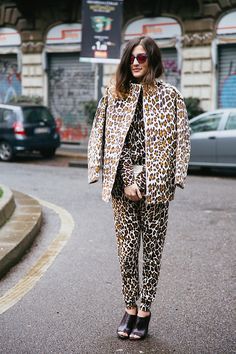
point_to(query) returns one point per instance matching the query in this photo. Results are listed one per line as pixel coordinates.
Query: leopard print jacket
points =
(167, 139)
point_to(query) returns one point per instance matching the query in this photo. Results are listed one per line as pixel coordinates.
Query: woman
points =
(140, 139)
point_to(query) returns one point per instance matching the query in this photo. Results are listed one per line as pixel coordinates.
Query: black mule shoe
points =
(140, 328)
(126, 325)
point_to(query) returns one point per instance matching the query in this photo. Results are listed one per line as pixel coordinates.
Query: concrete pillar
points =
(32, 75)
(109, 72)
(197, 74)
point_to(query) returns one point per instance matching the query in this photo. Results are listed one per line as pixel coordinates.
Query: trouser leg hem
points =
(145, 306)
(130, 305)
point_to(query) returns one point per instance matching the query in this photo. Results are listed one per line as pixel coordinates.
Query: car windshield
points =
(207, 123)
(34, 115)
(231, 122)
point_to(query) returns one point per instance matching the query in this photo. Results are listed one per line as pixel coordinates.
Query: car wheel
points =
(48, 152)
(6, 151)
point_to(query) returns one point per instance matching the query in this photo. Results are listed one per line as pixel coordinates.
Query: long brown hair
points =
(155, 67)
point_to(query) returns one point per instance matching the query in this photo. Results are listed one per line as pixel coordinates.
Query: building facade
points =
(40, 47)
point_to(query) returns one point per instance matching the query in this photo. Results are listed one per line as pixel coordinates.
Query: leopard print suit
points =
(137, 221)
(148, 128)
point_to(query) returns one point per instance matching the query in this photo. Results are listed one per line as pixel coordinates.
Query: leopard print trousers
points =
(135, 221)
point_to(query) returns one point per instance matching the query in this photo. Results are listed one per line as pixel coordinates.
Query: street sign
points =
(101, 31)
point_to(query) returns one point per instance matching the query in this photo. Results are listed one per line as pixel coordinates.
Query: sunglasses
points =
(141, 58)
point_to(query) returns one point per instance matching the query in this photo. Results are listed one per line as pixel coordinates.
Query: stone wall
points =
(32, 75)
(197, 74)
(109, 71)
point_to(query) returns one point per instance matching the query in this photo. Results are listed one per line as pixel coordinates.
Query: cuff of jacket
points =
(93, 175)
(180, 185)
(179, 182)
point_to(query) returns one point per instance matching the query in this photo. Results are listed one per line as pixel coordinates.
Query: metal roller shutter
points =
(227, 76)
(170, 62)
(71, 85)
(10, 79)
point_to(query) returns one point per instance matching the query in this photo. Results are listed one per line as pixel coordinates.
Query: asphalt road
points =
(76, 306)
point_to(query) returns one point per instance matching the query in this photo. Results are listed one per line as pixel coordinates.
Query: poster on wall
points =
(101, 31)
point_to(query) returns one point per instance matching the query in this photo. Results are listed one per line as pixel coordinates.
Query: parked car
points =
(27, 127)
(213, 139)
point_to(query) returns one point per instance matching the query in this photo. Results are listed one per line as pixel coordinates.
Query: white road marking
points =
(25, 284)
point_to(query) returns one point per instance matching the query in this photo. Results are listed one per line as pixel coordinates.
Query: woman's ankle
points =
(132, 310)
(142, 313)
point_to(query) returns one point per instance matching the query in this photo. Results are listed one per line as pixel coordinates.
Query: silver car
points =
(213, 139)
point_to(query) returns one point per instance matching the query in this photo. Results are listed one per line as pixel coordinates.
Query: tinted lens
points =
(141, 58)
(132, 57)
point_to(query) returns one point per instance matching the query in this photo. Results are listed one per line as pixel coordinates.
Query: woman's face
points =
(139, 62)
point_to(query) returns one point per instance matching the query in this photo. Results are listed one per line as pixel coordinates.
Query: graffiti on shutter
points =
(10, 79)
(227, 76)
(71, 85)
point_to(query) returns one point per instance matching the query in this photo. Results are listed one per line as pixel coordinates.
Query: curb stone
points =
(78, 163)
(19, 232)
(7, 204)
(79, 158)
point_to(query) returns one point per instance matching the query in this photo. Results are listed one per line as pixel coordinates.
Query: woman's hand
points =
(133, 193)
